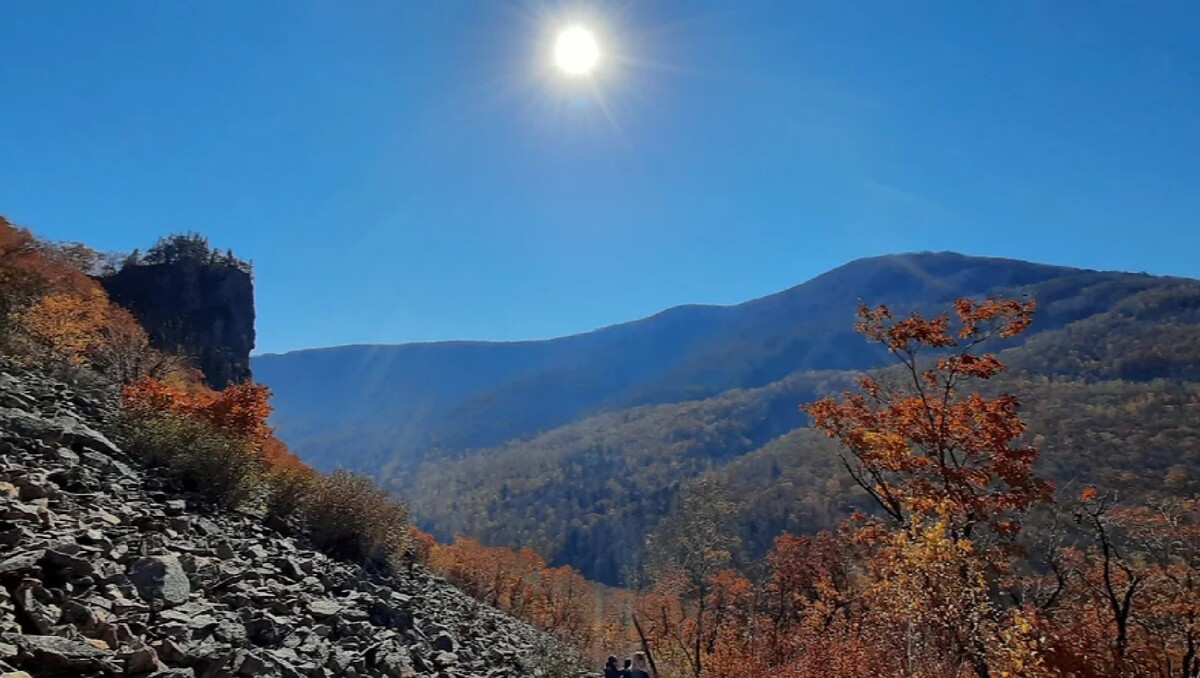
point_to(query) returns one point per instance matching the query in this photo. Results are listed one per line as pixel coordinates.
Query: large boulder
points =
(160, 578)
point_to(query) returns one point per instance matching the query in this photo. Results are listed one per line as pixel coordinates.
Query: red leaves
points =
(1001, 317)
(977, 321)
(928, 446)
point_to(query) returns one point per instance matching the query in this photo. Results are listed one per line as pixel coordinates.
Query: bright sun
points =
(576, 51)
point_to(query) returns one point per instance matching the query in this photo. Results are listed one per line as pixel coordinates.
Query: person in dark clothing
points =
(639, 666)
(610, 668)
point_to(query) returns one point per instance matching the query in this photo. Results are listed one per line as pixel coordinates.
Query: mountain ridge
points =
(525, 444)
(465, 394)
(686, 306)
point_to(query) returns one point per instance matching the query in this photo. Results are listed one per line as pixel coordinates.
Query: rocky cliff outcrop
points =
(202, 311)
(107, 570)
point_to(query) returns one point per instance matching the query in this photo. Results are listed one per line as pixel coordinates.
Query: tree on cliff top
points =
(193, 247)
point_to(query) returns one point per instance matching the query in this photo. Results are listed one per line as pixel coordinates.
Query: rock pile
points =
(105, 570)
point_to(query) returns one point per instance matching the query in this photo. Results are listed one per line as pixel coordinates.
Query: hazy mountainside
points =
(578, 445)
(384, 408)
(1098, 399)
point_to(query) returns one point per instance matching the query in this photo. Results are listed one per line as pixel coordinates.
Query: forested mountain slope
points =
(578, 445)
(1112, 400)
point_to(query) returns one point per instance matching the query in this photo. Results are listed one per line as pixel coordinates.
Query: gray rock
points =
(225, 595)
(63, 563)
(59, 430)
(160, 578)
(55, 654)
(22, 564)
(139, 659)
(324, 608)
(445, 660)
(251, 665)
(35, 605)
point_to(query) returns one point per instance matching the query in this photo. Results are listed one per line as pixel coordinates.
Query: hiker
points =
(610, 668)
(626, 672)
(639, 668)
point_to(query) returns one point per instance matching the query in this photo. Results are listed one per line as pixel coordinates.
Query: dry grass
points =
(347, 516)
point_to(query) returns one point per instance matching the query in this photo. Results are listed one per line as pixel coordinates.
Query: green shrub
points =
(347, 516)
(223, 467)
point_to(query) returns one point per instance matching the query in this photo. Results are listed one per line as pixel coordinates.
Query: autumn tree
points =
(1134, 604)
(927, 444)
(66, 326)
(76, 255)
(690, 547)
(122, 351)
(20, 278)
(951, 476)
(27, 273)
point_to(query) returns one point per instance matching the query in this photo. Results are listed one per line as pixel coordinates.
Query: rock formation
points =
(199, 310)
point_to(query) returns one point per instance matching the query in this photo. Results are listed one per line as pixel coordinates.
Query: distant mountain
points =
(577, 445)
(388, 406)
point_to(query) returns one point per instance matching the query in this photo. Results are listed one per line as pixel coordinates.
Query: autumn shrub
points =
(284, 491)
(206, 459)
(420, 545)
(347, 516)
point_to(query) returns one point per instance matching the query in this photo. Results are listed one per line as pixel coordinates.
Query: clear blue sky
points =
(415, 170)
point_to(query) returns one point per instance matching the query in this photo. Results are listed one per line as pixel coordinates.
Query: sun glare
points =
(576, 52)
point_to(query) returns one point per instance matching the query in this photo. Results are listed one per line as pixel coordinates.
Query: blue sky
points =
(416, 170)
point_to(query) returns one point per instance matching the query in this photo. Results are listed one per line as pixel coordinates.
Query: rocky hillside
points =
(108, 570)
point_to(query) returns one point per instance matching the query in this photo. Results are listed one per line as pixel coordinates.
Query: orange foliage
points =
(555, 599)
(66, 324)
(926, 446)
(26, 272)
(240, 409)
(123, 351)
(54, 311)
(926, 590)
(1132, 606)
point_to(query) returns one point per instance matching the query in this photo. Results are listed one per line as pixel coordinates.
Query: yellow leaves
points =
(1088, 494)
(889, 448)
(67, 325)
